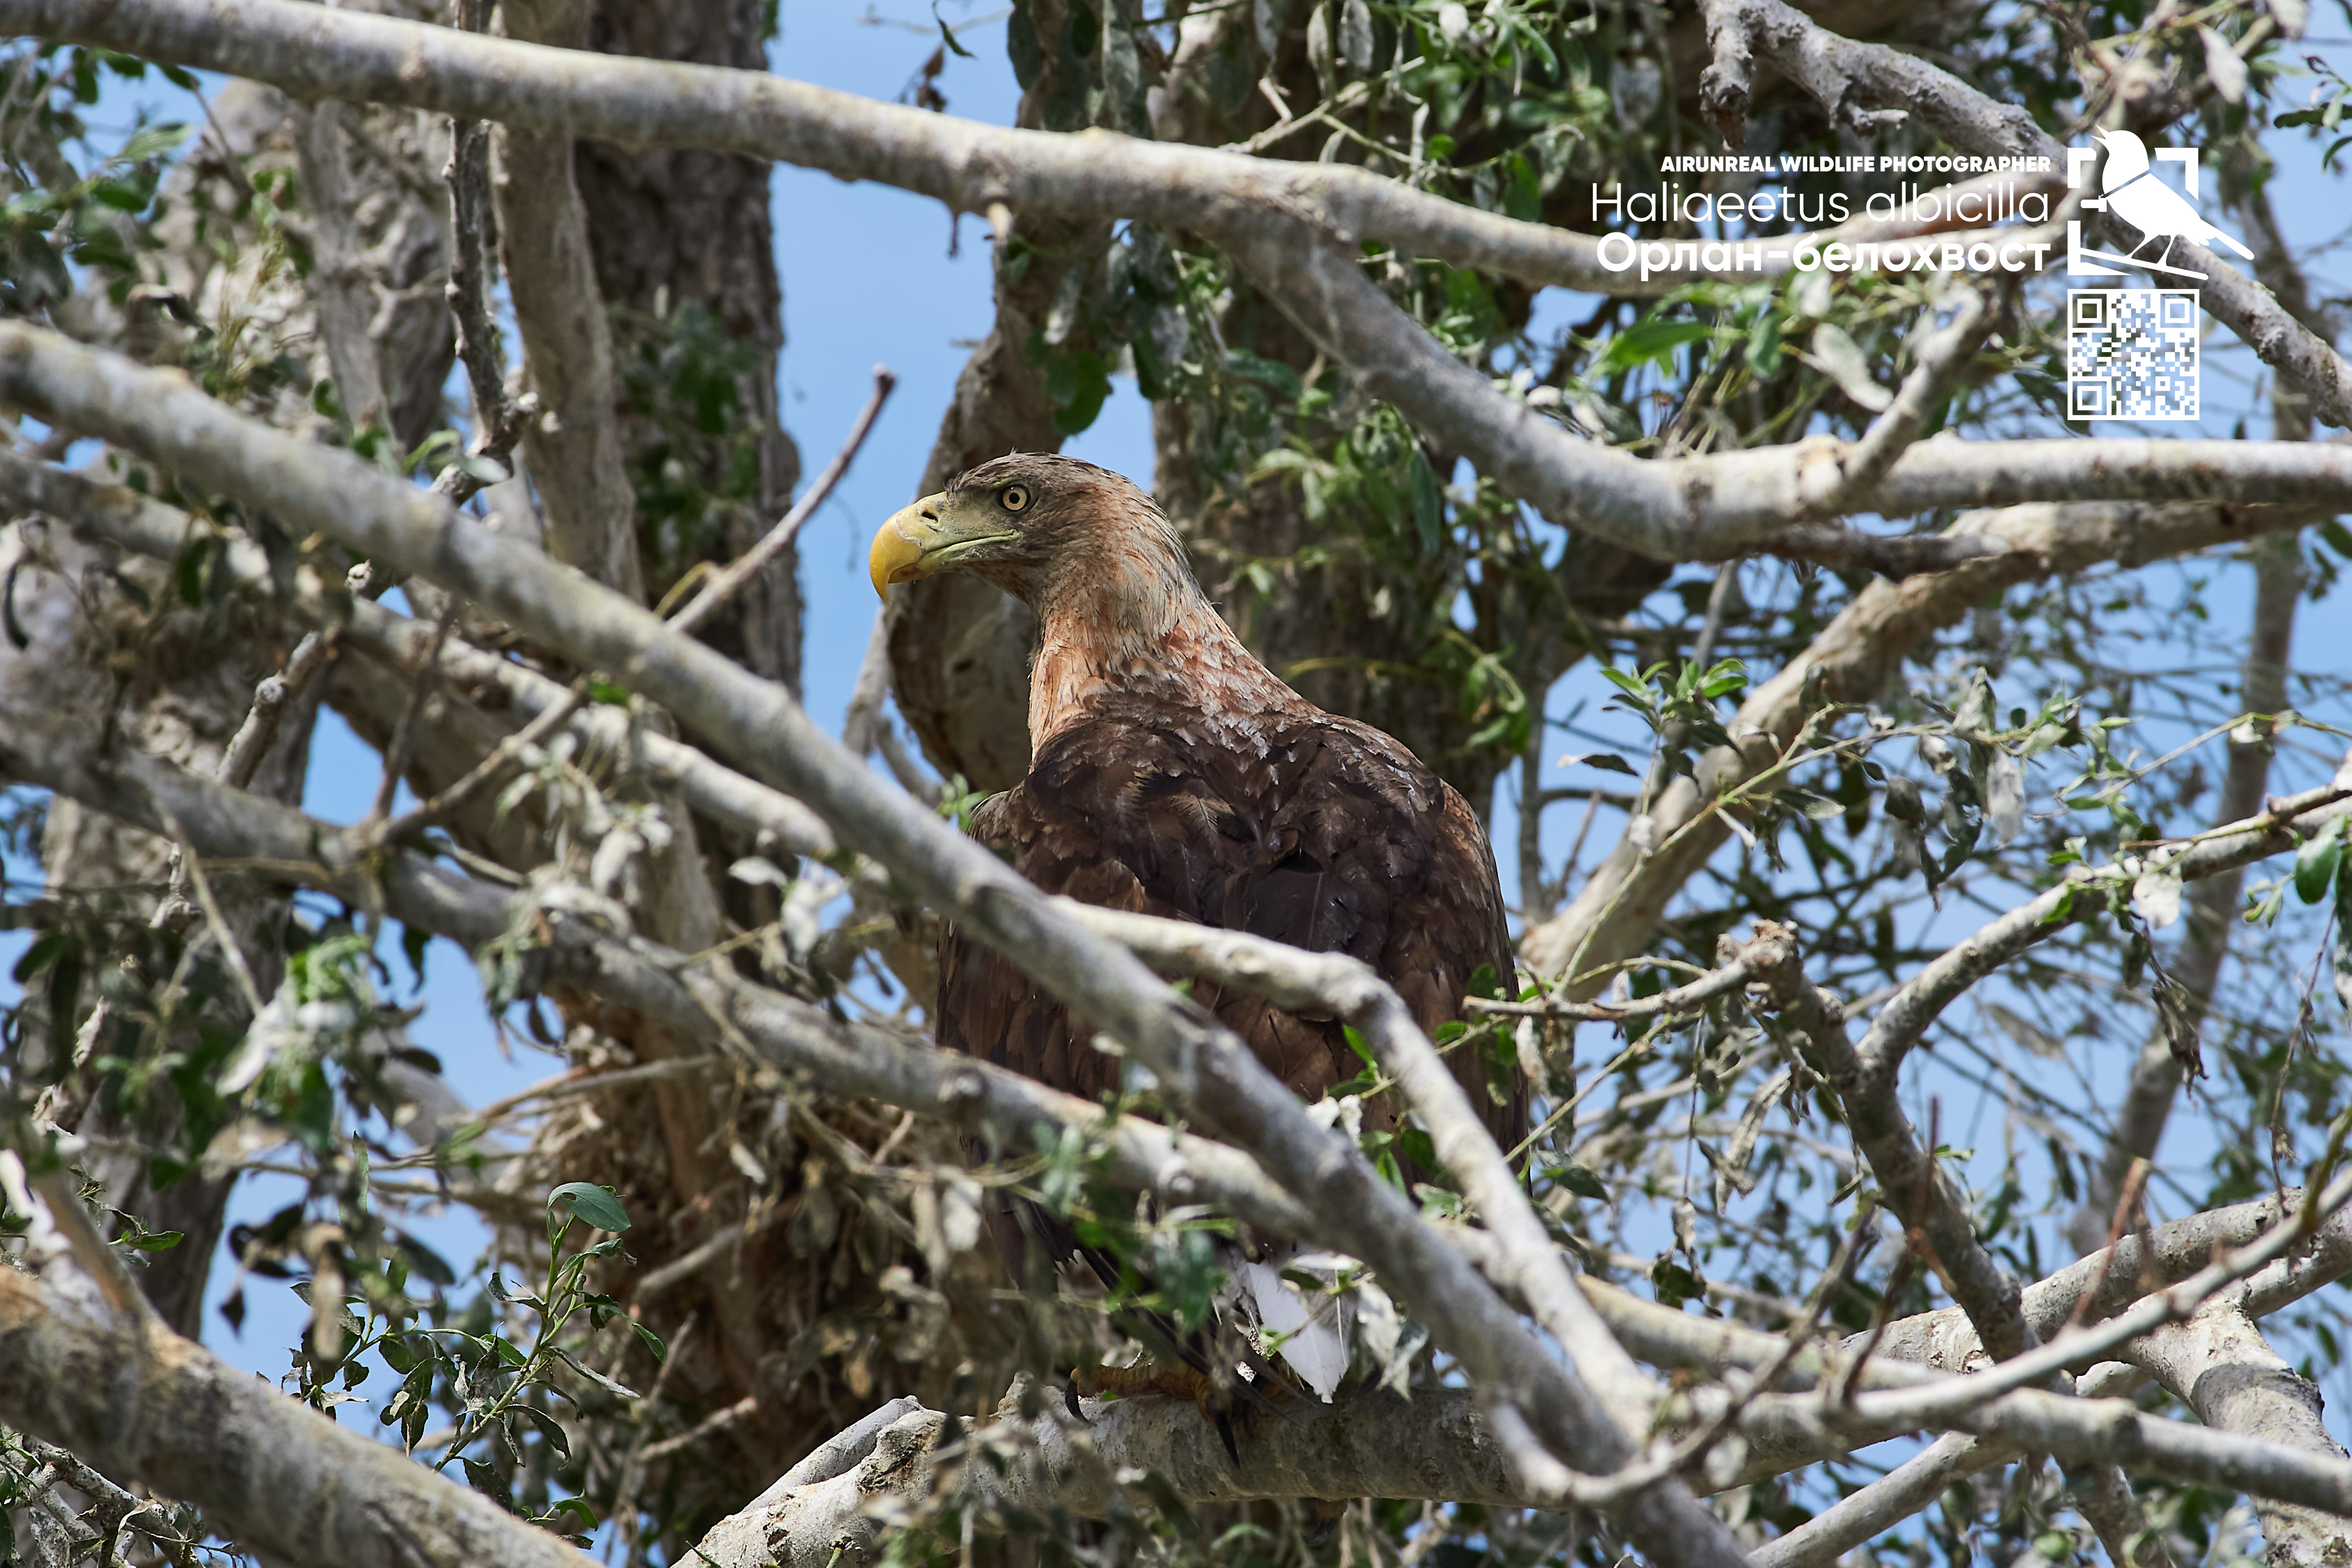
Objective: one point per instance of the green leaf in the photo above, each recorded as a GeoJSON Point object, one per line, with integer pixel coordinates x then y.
{"type": "Point", "coordinates": [1357, 1044]}
{"type": "Point", "coordinates": [1579, 1179]}
{"type": "Point", "coordinates": [1077, 383]}
{"type": "Point", "coordinates": [651, 1340]}
{"type": "Point", "coordinates": [2315, 862]}
{"type": "Point", "coordinates": [1428, 505]}
{"type": "Point", "coordinates": [1649, 342]}
{"type": "Point", "coordinates": [414, 941]}
{"type": "Point", "coordinates": [1673, 1283]}
{"type": "Point", "coordinates": [593, 1204]}
{"type": "Point", "coordinates": [948, 37]}
{"type": "Point", "coordinates": [578, 1507]}
{"type": "Point", "coordinates": [1483, 982]}
{"type": "Point", "coordinates": [484, 1478]}
{"type": "Point", "coordinates": [157, 1241]}
{"type": "Point", "coordinates": [188, 573]}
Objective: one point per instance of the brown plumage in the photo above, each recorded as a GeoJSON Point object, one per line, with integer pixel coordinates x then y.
{"type": "Point", "coordinates": [1172, 775]}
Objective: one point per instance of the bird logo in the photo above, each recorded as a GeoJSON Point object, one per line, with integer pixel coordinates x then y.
{"type": "Point", "coordinates": [2130, 188]}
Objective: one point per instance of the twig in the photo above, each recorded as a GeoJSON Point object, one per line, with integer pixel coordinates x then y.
{"type": "Point", "coordinates": [98, 1259]}
{"type": "Point", "coordinates": [232, 954]}
{"type": "Point", "coordinates": [1752, 961]}
{"type": "Point", "coordinates": [718, 1421]}
{"type": "Point", "coordinates": [497, 422]}
{"type": "Point", "coordinates": [1846, 483]}
{"type": "Point", "coordinates": [779, 538]}
{"type": "Point", "coordinates": [633, 1468]}
{"type": "Point", "coordinates": [403, 732]}
{"type": "Point", "coordinates": [686, 1265]}
{"type": "Point", "coordinates": [273, 699]}
{"type": "Point", "coordinates": [2127, 1203]}
{"type": "Point", "coordinates": [376, 831]}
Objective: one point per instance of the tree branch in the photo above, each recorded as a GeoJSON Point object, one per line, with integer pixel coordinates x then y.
{"type": "Point", "coordinates": [2219, 1365]}
{"type": "Point", "coordinates": [1295, 226]}
{"type": "Point", "coordinates": [710, 1003]}
{"type": "Point", "coordinates": [138, 523]}
{"type": "Point", "coordinates": [1906, 1016]}
{"type": "Point", "coordinates": [280, 1479]}
{"type": "Point", "coordinates": [1613, 914]}
{"type": "Point", "coordinates": [574, 440]}
{"type": "Point", "coordinates": [1913, 1184]}
{"type": "Point", "coordinates": [724, 583]}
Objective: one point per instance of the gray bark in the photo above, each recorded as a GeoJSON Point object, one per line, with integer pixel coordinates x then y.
{"type": "Point", "coordinates": [2218, 1364]}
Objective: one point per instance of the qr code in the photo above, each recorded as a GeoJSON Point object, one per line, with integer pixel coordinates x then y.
{"type": "Point", "coordinates": [2131, 353]}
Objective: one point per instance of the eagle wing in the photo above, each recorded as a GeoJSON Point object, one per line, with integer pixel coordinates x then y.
{"type": "Point", "coordinates": [1316, 831]}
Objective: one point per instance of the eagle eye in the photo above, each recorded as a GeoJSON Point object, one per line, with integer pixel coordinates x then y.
{"type": "Point", "coordinates": [1013, 498]}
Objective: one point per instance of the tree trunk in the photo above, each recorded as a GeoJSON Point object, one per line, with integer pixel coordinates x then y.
{"type": "Point", "coordinates": [670, 229]}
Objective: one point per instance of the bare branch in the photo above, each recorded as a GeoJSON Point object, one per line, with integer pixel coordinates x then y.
{"type": "Point", "coordinates": [1941, 358]}
{"type": "Point", "coordinates": [339, 288]}
{"type": "Point", "coordinates": [497, 422]}
{"type": "Point", "coordinates": [1899, 1023]}
{"type": "Point", "coordinates": [1524, 1259]}
{"type": "Point", "coordinates": [1911, 1485]}
{"type": "Point", "coordinates": [1724, 86]}
{"type": "Point", "coordinates": [1914, 1185]}
{"type": "Point", "coordinates": [272, 699]}
{"type": "Point", "coordinates": [1747, 966]}
{"type": "Point", "coordinates": [779, 539]}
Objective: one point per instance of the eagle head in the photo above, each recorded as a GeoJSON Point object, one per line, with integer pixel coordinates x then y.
{"type": "Point", "coordinates": [1029, 524]}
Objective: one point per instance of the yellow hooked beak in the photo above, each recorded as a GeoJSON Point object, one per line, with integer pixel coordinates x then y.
{"type": "Point", "coordinates": [924, 538]}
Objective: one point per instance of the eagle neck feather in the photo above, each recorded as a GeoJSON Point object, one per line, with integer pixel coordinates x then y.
{"type": "Point", "coordinates": [1136, 624]}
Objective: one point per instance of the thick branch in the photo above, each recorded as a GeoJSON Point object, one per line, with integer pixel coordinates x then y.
{"type": "Point", "coordinates": [712, 1004]}
{"type": "Point", "coordinates": [138, 523]}
{"type": "Point", "coordinates": [2222, 1368]}
{"type": "Point", "coordinates": [280, 1479]}
{"type": "Point", "coordinates": [574, 440]}
{"type": "Point", "coordinates": [1523, 1259]}
{"type": "Point", "coordinates": [1294, 226]}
